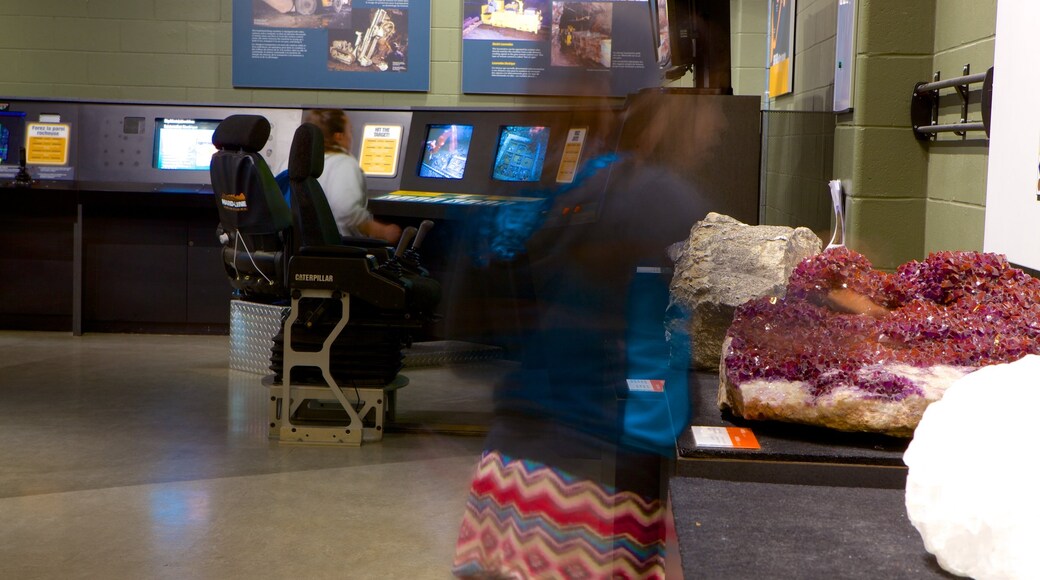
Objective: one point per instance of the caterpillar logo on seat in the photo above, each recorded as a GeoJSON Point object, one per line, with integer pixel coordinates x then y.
{"type": "Point", "coordinates": [314, 278]}
{"type": "Point", "coordinates": [234, 201]}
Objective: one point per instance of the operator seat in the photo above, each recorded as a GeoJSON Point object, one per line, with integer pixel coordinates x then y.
{"type": "Point", "coordinates": [312, 214]}
{"type": "Point", "coordinates": [310, 208]}
{"type": "Point", "coordinates": [390, 301]}
{"type": "Point", "coordinates": [255, 222]}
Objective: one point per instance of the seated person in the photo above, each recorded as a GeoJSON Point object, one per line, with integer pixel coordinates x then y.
{"type": "Point", "coordinates": [343, 181]}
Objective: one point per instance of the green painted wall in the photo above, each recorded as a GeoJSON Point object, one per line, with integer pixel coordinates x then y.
{"type": "Point", "coordinates": [163, 51]}
{"type": "Point", "coordinates": [181, 52]}
{"type": "Point", "coordinates": [965, 32]}
{"type": "Point", "coordinates": [748, 25]}
{"type": "Point", "coordinates": [905, 198]}
{"type": "Point", "coordinates": [798, 141]}
{"type": "Point", "coordinates": [882, 167]}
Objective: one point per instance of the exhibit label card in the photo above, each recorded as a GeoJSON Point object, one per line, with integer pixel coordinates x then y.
{"type": "Point", "coordinates": [47, 144]}
{"type": "Point", "coordinates": [571, 155]}
{"type": "Point", "coordinates": [558, 47]}
{"type": "Point", "coordinates": [725, 437]}
{"type": "Point", "coordinates": [645, 385]}
{"type": "Point", "coordinates": [379, 45]}
{"type": "Point", "coordinates": [380, 146]}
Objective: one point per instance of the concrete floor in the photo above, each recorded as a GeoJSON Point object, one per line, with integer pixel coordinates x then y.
{"type": "Point", "coordinates": [143, 456]}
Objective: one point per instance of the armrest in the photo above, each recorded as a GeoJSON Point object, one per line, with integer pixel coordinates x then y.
{"type": "Point", "coordinates": [333, 251]}
{"type": "Point", "coordinates": [364, 242]}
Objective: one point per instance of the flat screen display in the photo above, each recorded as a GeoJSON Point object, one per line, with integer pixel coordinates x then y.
{"type": "Point", "coordinates": [12, 136]}
{"type": "Point", "coordinates": [521, 153]}
{"type": "Point", "coordinates": [446, 151]}
{"type": "Point", "coordinates": [183, 144]}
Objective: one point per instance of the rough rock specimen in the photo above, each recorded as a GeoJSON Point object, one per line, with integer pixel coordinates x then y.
{"type": "Point", "coordinates": [971, 496]}
{"type": "Point", "coordinates": [859, 350]}
{"type": "Point", "coordinates": [722, 265]}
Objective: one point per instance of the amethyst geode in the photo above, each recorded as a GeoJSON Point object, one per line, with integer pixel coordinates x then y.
{"type": "Point", "coordinates": [808, 358]}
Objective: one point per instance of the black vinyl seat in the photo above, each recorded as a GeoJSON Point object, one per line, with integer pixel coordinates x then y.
{"type": "Point", "coordinates": [312, 214]}
{"type": "Point", "coordinates": [255, 222]}
{"type": "Point", "coordinates": [390, 301]}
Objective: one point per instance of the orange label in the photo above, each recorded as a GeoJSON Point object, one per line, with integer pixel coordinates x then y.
{"type": "Point", "coordinates": [742, 438]}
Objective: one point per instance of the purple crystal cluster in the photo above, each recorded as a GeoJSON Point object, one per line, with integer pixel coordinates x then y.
{"type": "Point", "coordinates": [964, 309]}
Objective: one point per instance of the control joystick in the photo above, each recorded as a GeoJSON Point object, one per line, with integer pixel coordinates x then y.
{"type": "Point", "coordinates": [393, 267]}
{"type": "Point", "coordinates": [407, 236]}
{"type": "Point", "coordinates": [411, 259]}
{"type": "Point", "coordinates": [22, 178]}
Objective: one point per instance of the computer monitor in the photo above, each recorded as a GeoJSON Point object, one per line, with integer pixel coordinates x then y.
{"type": "Point", "coordinates": [183, 144]}
{"type": "Point", "coordinates": [446, 151]}
{"type": "Point", "coordinates": [12, 136]}
{"type": "Point", "coordinates": [521, 153]}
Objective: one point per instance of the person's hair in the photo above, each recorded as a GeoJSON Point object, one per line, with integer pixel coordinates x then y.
{"type": "Point", "coordinates": [330, 121]}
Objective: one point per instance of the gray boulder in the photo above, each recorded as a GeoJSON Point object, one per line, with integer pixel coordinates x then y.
{"type": "Point", "coordinates": [722, 265]}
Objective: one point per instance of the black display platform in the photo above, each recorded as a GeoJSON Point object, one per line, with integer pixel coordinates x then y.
{"type": "Point", "coordinates": [789, 453]}
{"type": "Point", "coordinates": [739, 530]}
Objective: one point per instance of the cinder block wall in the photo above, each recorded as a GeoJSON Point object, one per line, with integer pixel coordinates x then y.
{"type": "Point", "coordinates": [965, 32]}
{"type": "Point", "coordinates": [883, 168]}
{"type": "Point", "coordinates": [904, 198]}
{"type": "Point", "coordinates": [749, 22]}
{"type": "Point", "coordinates": [799, 141]}
{"type": "Point", "coordinates": [908, 198]}
{"type": "Point", "coordinates": [161, 51]}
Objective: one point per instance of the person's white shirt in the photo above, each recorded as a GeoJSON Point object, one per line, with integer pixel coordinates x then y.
{"type": "Point", "coordinates": [344, 186]}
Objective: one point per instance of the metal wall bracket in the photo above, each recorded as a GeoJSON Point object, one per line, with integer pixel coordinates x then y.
{"type": "Point", "coordinates": [924, 105]}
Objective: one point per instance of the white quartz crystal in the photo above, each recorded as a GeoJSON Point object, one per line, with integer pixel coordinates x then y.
{"type": "Point", "coordinates": [973, 489]}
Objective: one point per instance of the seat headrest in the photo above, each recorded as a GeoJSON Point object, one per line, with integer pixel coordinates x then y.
{"type": "Point", "coordinates": [247, 132]}
{"type": "Point", "coordinates": [307, 154]}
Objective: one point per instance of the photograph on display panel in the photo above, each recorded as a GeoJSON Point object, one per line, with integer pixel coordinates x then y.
{"type": "Point", "coordinates": [378, 44]}
{"type": "Point", "coordinates": [302, 13]}
{"type": "Point", "coordinates": [781, 47]}
{"type": "Point", "coordinates": [559, 47]}
{"type": "Point", "coordinates": [505, 20]}
{"type": "Point", "coordinates": [581, 34]}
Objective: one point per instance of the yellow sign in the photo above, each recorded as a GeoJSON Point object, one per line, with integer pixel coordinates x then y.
{"type": "Point", "coordinates": [571, 155]}
{"type": "Point", "coordinates": [780, 78]}
{"type": "Point", "coordinates": [380, 147]}
{"type": "Point", "coordinates": [47, 144]}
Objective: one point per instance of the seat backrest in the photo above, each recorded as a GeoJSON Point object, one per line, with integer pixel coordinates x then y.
{"type": "Point", "coordinates": [247, 197]}
{"type": "Point", "coordinates": [255, 220]}
{"type": "Point", "coordinates": [313, 220]}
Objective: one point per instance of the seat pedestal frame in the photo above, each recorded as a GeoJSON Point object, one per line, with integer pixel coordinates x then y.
{"type": "Point", "coordinates": [328, 399]}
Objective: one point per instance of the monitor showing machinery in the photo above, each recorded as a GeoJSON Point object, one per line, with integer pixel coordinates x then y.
{"type": "Point", "coordinates": [183, 144]}
{"type": "Point", "coordinates": [446, 151]}
{"type": "Point", "coordinates": [12, 136]}
{"type": "Point", "coordinates": [521, 153]}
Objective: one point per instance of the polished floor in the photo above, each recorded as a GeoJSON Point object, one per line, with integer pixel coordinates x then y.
{"type": "Point", "coordinates": [143, 456]}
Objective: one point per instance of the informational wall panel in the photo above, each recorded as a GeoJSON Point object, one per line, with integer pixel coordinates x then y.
{"type": "Point", "coordinates": [380, 45]}
{"type": "Point", "coordinates": [1013, 189]}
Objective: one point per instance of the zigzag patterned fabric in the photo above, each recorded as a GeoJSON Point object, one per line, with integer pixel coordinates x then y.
{"type": "Point", "coordinates": [525, 519]}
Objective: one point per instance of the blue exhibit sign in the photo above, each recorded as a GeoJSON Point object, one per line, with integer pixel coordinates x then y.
{"type": "Point", "coordinates": [558, 47]}
{"type": "Point", "coordinates": [377, 45]}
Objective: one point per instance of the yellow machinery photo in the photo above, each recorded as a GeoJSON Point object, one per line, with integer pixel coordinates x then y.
{"type": "Point", "coordinates": [512, 15]}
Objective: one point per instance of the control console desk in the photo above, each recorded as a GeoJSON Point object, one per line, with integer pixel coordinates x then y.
{"type": "Point", "coordinates": [121, 223]}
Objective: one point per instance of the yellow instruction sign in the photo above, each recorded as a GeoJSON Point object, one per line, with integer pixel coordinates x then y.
{"type": "Point", "coordinates": [47, 143]}
{"type": "Point", "coordinates": [380, 147]}
{"type": "Point", "coordinates": [571, 155]}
